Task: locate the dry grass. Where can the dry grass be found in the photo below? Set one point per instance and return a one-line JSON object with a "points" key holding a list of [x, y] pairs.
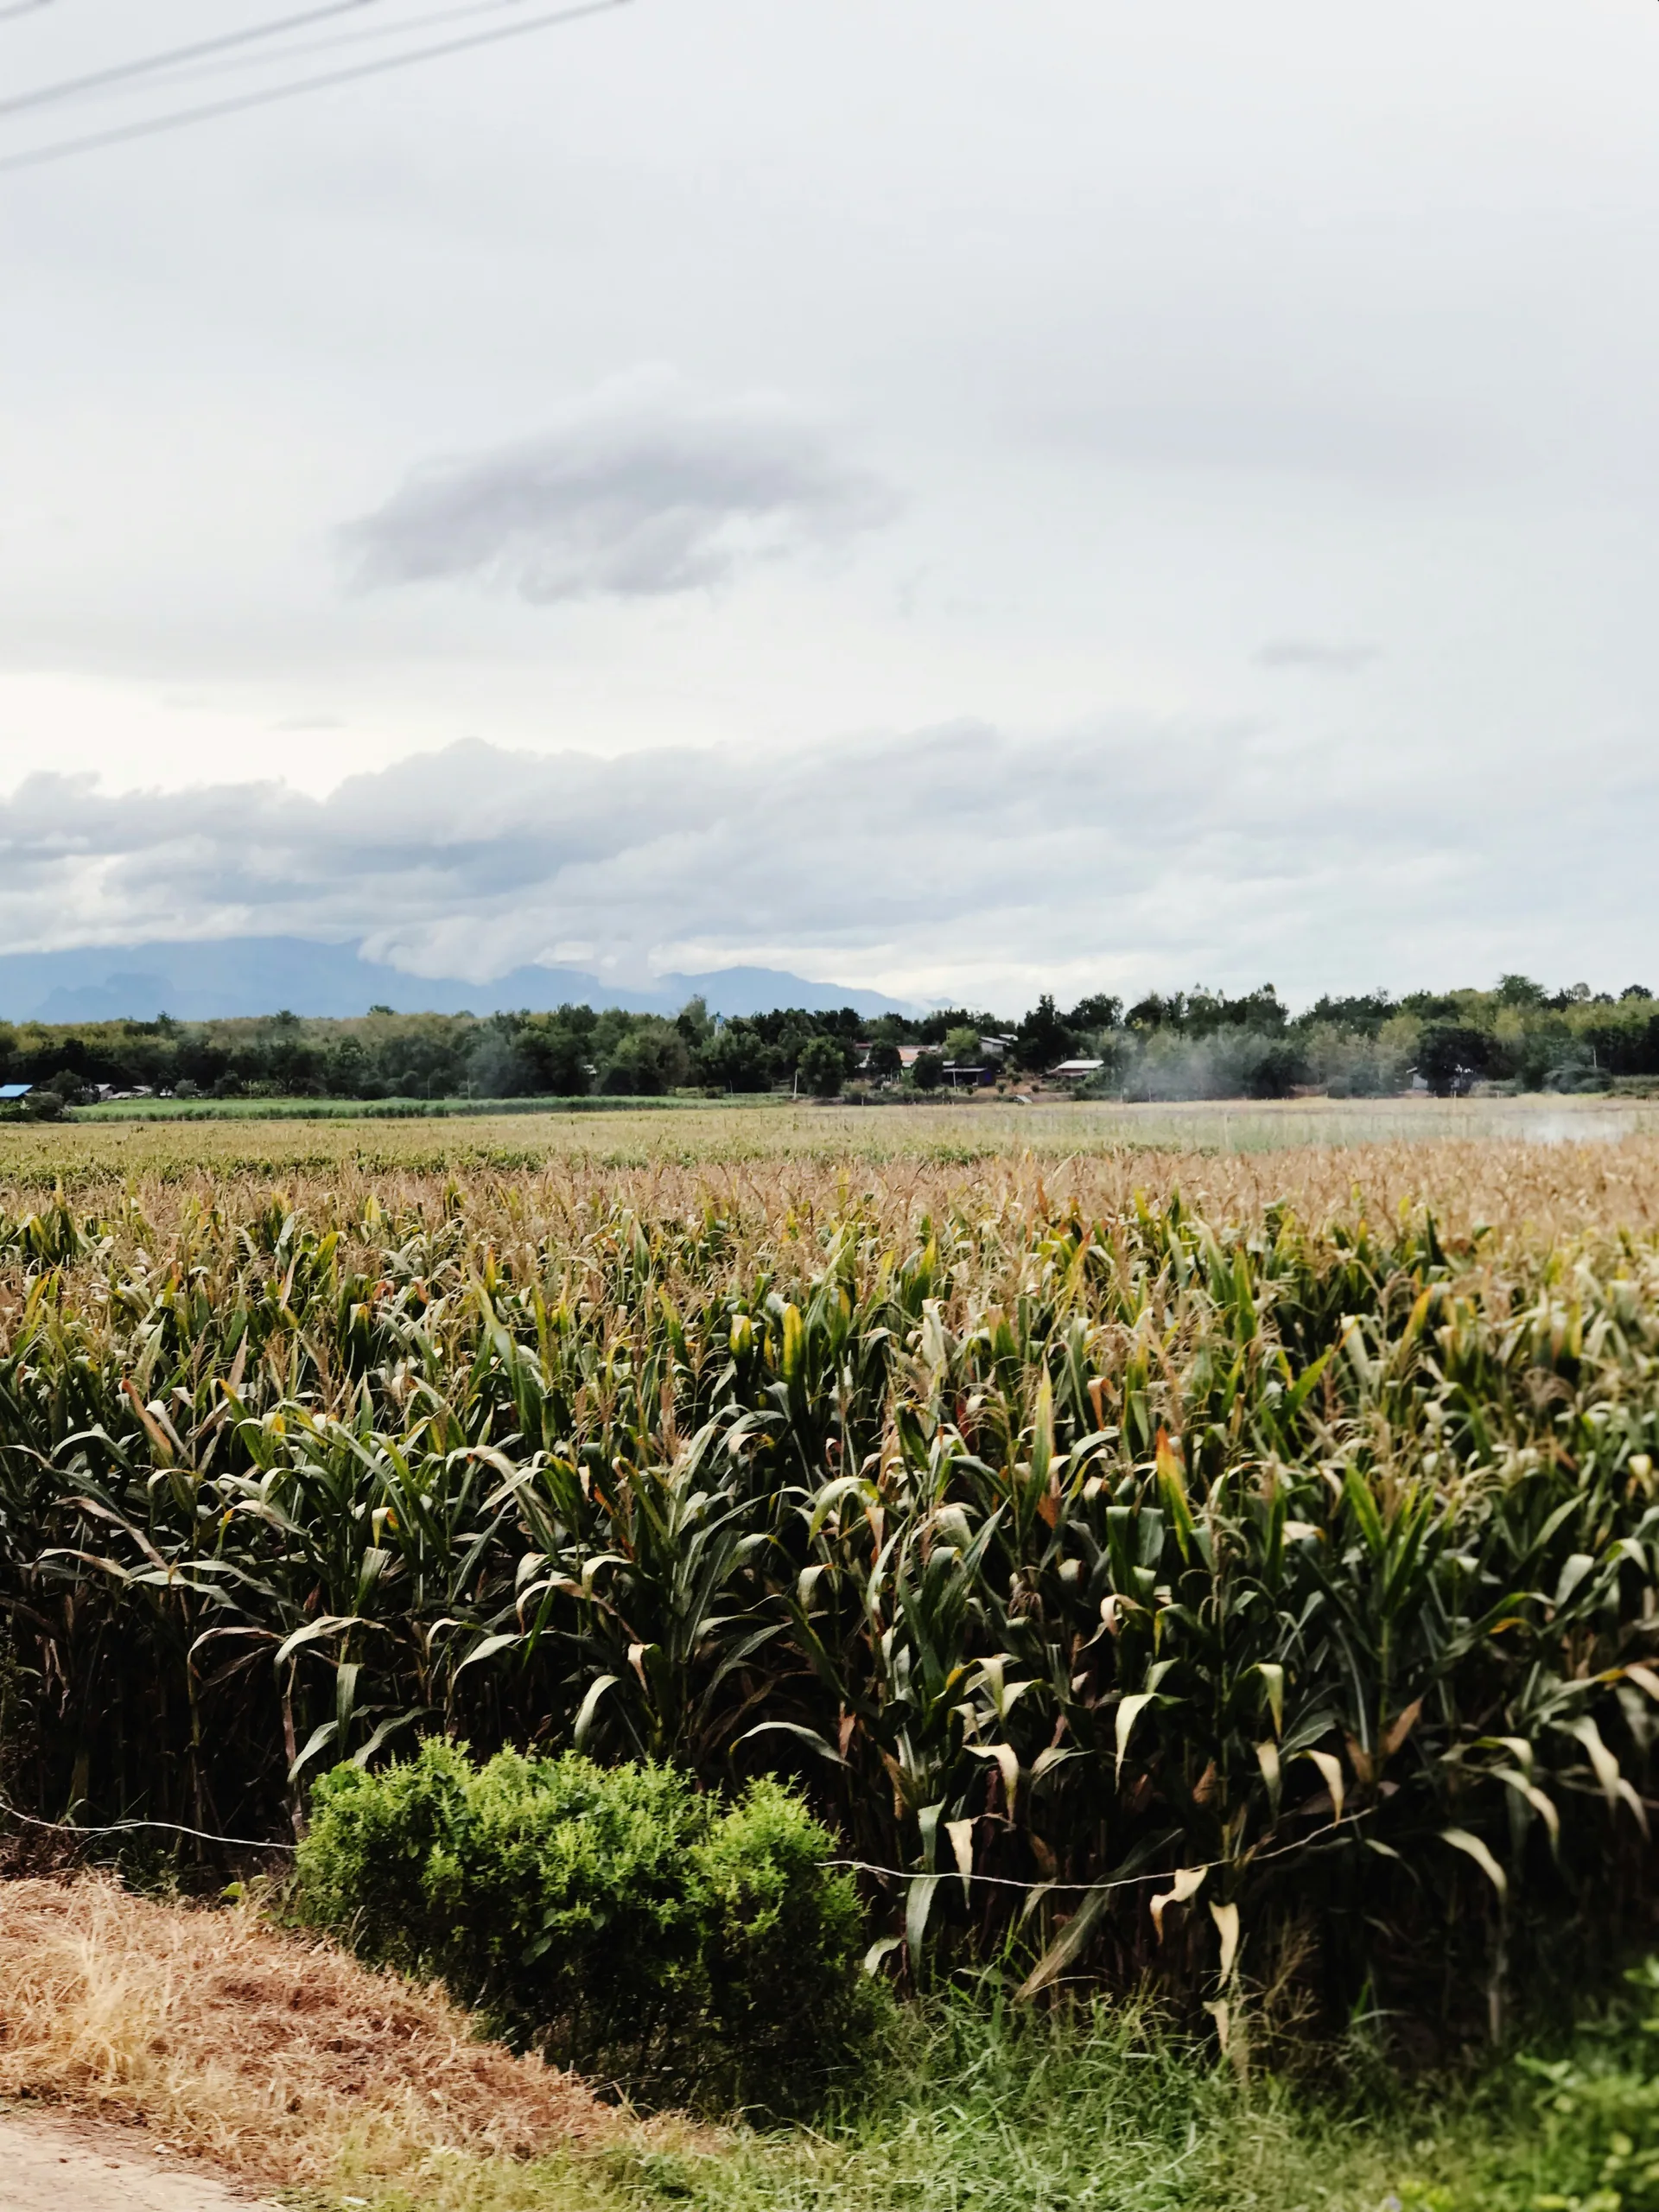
{"points": [[282, 2060]]}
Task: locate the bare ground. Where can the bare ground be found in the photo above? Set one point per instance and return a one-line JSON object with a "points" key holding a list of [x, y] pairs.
{"points": [[52, 2166]]}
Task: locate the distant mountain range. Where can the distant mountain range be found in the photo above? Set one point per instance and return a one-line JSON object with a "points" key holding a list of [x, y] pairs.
{"points": [[265, 974]]}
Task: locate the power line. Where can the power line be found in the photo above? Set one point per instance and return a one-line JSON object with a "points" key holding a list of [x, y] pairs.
{"points": [[62, 148], [149, 63], [376, 34]]}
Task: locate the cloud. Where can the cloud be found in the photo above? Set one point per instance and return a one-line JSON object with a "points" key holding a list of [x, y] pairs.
{"points": [[961, 861], [1317, 656], [643, 491]]}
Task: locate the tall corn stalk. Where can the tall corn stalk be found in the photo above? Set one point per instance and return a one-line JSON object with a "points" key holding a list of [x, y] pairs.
{"points": [[1265, 1572]]}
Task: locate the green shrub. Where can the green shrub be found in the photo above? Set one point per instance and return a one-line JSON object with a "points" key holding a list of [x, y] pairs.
{"points": [[1594, 2144], [1600, 2139], [615, 1917]]}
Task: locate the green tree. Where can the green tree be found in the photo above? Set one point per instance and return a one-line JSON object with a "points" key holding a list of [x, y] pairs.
{"points": [[736, 1057], [1451, 1057], [1209, 1011], [647, 1060], [1043, 1038], [695, 1022], [962, 1046], [927, 1071], [551, 1058], [1519, 990], [795, 1031], [822, 1067]]}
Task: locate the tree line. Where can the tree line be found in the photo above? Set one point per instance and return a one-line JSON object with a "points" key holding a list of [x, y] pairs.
{"points": [[573, 1051], [1184, 1044]]}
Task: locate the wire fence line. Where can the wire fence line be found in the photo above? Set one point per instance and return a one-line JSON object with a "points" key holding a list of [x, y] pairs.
{"points": [[125, 1828], [851, 1866]]}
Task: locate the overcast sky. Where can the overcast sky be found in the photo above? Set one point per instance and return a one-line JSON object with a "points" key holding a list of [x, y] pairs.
{"points": [[960, 497]]}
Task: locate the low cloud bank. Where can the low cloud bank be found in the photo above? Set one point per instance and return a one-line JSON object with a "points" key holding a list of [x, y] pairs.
{"points": [[962, 862]]}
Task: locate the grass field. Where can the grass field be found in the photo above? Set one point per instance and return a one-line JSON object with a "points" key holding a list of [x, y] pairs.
{"points": [[1265, 1491]]}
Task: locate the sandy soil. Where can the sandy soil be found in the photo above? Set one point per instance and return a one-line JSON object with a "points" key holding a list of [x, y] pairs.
{"points": [[49, 2163]]}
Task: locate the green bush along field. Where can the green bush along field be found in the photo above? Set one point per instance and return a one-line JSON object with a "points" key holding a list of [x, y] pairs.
{"points": [[626, 1922]]}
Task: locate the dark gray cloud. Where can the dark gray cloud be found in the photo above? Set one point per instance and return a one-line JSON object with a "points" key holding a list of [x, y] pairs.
{"points": [[963, 858], [642, 491]]}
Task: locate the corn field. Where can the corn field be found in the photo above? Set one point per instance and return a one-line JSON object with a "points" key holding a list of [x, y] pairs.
{"points": [[1260, 1597]]}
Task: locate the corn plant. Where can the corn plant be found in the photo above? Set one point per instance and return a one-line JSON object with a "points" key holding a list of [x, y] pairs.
{"points": [[1132, 1583]]}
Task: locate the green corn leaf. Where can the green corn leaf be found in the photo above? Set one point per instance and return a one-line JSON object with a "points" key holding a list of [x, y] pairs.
{"points": [[918, 1906]]}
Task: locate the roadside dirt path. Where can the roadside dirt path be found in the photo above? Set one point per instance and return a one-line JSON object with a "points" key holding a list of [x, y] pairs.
{"points": [[57, 2164]]}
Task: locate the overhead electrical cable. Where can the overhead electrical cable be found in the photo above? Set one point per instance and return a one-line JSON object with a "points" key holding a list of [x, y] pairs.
{"points": [[148, 64], [375, 35], [61, 150]]}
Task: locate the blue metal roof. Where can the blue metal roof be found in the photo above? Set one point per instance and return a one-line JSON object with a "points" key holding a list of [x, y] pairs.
{"points": [[16, 1090]]}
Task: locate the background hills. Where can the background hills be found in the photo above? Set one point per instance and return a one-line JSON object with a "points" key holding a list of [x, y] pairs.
{"points": [[227, 977]]}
